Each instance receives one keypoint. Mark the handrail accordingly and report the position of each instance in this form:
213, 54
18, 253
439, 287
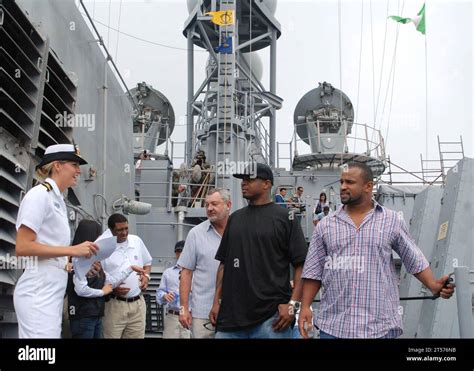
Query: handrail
375, 148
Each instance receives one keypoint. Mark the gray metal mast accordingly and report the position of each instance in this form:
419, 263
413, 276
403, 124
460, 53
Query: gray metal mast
225, 98
231, 116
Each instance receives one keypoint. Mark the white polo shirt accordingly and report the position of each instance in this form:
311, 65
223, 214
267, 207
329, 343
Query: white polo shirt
131, 252
45, 213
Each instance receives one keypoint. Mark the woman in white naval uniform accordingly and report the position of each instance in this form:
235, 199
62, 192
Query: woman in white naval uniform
43, 232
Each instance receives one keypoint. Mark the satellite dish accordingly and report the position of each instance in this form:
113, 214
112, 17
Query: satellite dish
154, 121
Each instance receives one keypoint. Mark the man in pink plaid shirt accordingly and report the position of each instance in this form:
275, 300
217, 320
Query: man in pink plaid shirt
350, 256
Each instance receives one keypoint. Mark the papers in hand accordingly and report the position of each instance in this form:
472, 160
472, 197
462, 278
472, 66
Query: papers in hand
107, 246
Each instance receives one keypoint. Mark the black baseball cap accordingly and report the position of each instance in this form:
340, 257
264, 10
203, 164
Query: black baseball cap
179, 246
256, 170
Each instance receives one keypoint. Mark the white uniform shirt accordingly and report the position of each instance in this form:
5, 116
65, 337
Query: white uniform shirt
45, 213
39, 293
131, 252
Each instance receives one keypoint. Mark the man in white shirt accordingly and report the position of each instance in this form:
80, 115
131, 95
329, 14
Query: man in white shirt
125, 312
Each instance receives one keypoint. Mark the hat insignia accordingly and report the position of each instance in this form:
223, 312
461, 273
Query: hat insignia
77, 151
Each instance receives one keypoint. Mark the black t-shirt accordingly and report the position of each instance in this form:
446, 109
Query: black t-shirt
257, 247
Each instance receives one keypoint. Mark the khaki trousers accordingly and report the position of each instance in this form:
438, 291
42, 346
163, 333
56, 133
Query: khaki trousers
173, 329
124, 320
199, 331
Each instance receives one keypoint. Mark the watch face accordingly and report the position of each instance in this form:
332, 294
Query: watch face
295, 304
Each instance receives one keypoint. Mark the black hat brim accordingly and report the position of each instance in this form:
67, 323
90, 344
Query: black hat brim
242, 176
61, 156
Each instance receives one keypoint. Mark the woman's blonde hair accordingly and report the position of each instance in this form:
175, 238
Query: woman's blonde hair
45, 171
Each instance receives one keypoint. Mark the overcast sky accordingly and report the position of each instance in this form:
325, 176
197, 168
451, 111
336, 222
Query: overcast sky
308, 53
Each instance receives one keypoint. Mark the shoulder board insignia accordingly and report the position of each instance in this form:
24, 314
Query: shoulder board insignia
48, 186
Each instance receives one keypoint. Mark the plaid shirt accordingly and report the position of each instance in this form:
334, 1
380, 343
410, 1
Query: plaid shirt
360, 297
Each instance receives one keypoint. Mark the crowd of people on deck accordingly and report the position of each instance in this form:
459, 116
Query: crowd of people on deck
240, 275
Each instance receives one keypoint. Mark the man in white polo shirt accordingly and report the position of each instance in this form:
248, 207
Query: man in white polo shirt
125, 312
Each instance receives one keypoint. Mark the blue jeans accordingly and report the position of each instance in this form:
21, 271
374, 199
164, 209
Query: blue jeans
86, 328
325, 335
295, 333
261, 331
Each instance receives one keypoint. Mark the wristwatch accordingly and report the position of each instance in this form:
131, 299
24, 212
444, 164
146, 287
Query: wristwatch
147, 276
295, 304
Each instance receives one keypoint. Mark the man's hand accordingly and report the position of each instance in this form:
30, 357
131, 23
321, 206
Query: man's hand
141, 273
144, 281
138, 269
437, 288
69, 267
121, 291
305, 321
95, 269
107, 289
213, 313
185, 317
286, 315
169, 297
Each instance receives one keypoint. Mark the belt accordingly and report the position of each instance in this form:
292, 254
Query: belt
175, 312
128, 300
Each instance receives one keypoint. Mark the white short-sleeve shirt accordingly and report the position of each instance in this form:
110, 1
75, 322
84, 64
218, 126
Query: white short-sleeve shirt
198, 255
45, 213
131, 252
39, 292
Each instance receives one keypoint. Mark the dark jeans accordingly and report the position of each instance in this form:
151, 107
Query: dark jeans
325, 335
261, 331
86, 328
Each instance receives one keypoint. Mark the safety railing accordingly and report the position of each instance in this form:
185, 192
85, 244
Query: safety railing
192, 195
369, 143
175, 155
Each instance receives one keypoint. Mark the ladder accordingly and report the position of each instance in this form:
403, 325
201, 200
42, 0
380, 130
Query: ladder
450, 153
225, 97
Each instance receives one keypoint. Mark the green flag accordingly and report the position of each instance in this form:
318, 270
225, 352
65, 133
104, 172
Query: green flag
418, 20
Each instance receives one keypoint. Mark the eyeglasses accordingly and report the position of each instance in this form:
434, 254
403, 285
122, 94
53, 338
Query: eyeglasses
209, 326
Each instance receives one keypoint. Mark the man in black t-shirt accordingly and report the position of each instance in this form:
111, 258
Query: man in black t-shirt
253, 295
